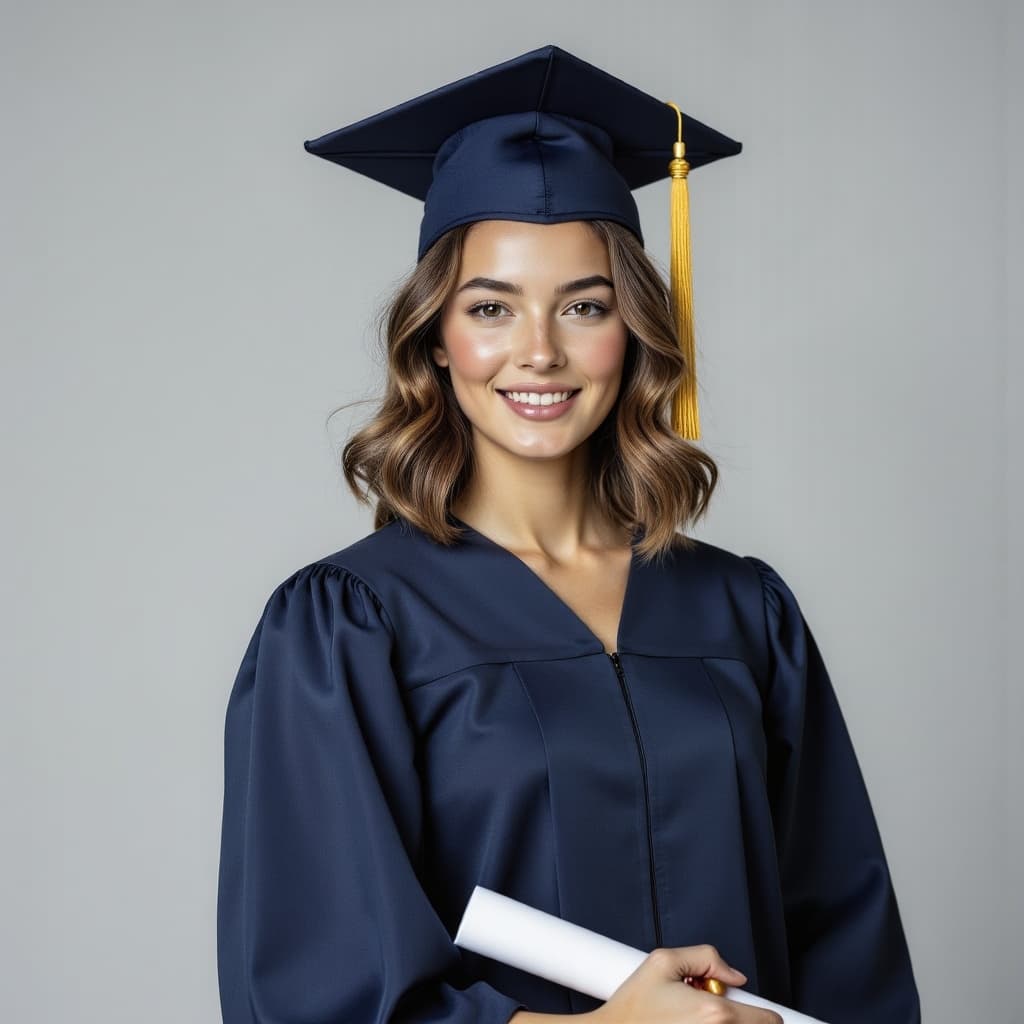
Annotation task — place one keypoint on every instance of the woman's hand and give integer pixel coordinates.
(657, 993)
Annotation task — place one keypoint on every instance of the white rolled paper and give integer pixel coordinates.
(532, 940)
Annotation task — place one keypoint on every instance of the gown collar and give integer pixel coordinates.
(552, 606)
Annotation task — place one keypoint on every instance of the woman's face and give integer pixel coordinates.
(533, 313)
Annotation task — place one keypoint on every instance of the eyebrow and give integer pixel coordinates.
(491, 284)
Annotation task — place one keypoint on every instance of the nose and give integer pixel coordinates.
(537, 347)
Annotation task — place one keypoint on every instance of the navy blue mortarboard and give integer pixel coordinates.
(543, 137)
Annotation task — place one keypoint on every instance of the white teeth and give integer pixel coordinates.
(536, 398)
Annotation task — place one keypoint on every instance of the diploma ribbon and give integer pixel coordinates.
(712, 985)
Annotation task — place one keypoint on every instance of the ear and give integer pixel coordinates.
(440, 354)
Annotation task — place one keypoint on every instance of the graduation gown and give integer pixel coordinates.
(410, 720)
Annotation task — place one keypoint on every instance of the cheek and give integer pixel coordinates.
(602, 358)
(476, 355)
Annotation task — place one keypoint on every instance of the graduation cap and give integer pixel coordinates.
(544, 137)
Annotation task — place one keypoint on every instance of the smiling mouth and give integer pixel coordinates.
(536, 398)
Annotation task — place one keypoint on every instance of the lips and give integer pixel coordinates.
(536, 410)
(548, 396)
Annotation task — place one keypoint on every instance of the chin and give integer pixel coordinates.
(544, 448)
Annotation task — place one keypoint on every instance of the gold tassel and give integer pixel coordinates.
(685, 417)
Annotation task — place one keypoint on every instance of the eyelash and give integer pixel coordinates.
(599, 306)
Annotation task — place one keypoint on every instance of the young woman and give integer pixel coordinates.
(528, 677)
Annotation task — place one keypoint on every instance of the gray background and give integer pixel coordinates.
(187, 294)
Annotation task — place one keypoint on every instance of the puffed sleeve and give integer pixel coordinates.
(320, 913)
(849, 959)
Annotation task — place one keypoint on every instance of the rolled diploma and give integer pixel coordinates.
(532, 940)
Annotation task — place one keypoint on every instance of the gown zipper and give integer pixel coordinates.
(614, 656)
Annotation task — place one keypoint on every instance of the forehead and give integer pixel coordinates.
(568, 249)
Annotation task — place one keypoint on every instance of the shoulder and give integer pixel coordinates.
(755, 572)
(362, 562)
(411, 582)
(715, 566)
(350, 579)
(711, 570)
(765, 603)
(703, 598)
(390, 560)
(430, 596)
(380, 551)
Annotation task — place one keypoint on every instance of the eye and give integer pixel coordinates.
(490, 307)
(598, 309)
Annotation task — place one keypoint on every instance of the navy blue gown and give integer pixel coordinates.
(410, 720)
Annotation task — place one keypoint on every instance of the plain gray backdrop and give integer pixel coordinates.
(187, 294)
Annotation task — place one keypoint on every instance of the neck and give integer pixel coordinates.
(534, 504)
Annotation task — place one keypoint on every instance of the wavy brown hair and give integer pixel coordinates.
(416, 453)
